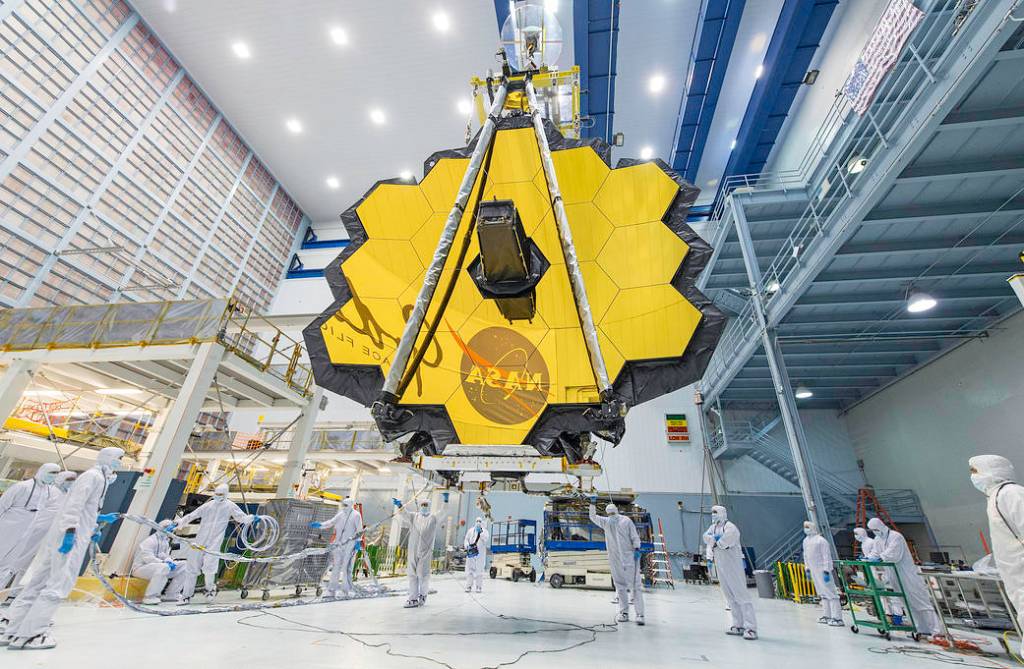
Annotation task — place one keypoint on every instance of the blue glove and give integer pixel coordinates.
(170, 528)
(444, 496)
(874, 559)
(828, 577)
(96, 536)
(172, 565)
(255, 520)
(807, 573)
(718, 537)
(68, 543)
(107, 517)
(592, 498)
(637, 554)
(316, 525)
(396, 502)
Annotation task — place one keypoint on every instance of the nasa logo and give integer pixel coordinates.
(504, 375)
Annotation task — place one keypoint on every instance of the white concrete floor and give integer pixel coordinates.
(684, 627)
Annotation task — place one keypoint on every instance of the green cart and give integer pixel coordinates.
(869, 589)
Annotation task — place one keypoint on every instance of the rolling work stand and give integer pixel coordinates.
(877, 593)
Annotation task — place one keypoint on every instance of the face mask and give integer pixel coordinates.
(425, 510)
(984, 482)
(66, 485)
(717, 517)
(48, 478)
(808, 530)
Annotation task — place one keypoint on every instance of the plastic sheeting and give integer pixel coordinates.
(121, 324)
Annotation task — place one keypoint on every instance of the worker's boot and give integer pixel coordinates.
(836, 622)
(823, 620)
(42, 641)
(734, 631)
(412, 603)
(750, 635)
(640, 621)
(151, 601)
(211, 594)
(623, 617)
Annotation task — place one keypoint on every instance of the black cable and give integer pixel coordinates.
(940, 656)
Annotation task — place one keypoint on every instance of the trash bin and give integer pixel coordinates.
(765, 583)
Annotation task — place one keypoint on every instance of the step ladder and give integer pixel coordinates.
(661, 567)
(866, 496)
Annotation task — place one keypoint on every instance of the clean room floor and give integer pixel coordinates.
(685, 627)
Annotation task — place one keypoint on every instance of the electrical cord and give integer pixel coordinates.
(921, 653)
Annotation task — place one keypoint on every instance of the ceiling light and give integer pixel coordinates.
(856, 165)
(384, 470)
(551, 5)
(441, 22)
(773, 287)
(732, 145)
(338, 36)
(803, 392)
(293, 126)
(405, 175)
(46, 393)
(333, 183)
(656, 83)
(712, 183)
(241, 50)
(119, 391)
(646, 153)
(378, 116)
(918, 302)
(464, 106)
(759, 71)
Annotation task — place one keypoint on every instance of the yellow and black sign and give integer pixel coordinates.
(484, 379)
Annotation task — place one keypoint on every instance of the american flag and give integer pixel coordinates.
(881, 53)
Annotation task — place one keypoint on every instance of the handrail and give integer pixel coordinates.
(843, 139)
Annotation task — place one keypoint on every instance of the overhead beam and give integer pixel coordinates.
(912, 213)
(910, 246)
(884, 274)
(899, 297)
(929, 172)
(983, 118)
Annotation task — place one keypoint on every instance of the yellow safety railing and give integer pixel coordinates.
(793, 582)
(124, 324)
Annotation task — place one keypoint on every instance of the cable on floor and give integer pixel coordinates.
(922, 653)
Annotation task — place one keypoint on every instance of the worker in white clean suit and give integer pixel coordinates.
(818, 563)
(31, 615)
(348, 530)
(213, 516)
(153, 562)
(725, 550)
(476, 542)
(419, 550)
(883, 577)
(24, 509)
(994, 475)
(623, 544)
(891, 546)
(867, 544)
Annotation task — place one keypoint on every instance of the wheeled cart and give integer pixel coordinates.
(294, 517)
(862, 585)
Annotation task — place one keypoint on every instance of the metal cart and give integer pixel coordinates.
(861, 585)
(513, 543)
(294, 517)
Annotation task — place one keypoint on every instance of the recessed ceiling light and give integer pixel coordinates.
(656, 83)
(803, 392)
(333, 183)
(338, 36)
(405, 175)
(293, 125)
(441, 22)
(241, 50)
(732, 145)
(646, 153)
(919, 302)
(712, 183)
(464, 106)
(759, 71)
(378, 116)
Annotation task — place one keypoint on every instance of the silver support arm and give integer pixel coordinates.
(444, 245)
(568, 249)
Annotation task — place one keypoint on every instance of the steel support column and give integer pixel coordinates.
(15, 380)
(302, 433)
(168, 449)
(783, 389)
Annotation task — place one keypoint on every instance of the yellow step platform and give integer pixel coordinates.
(89, 588)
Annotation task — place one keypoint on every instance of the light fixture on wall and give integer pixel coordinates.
(803, 392)
(856, 165)
(918, 302)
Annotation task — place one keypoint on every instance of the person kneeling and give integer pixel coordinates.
(153, 562)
